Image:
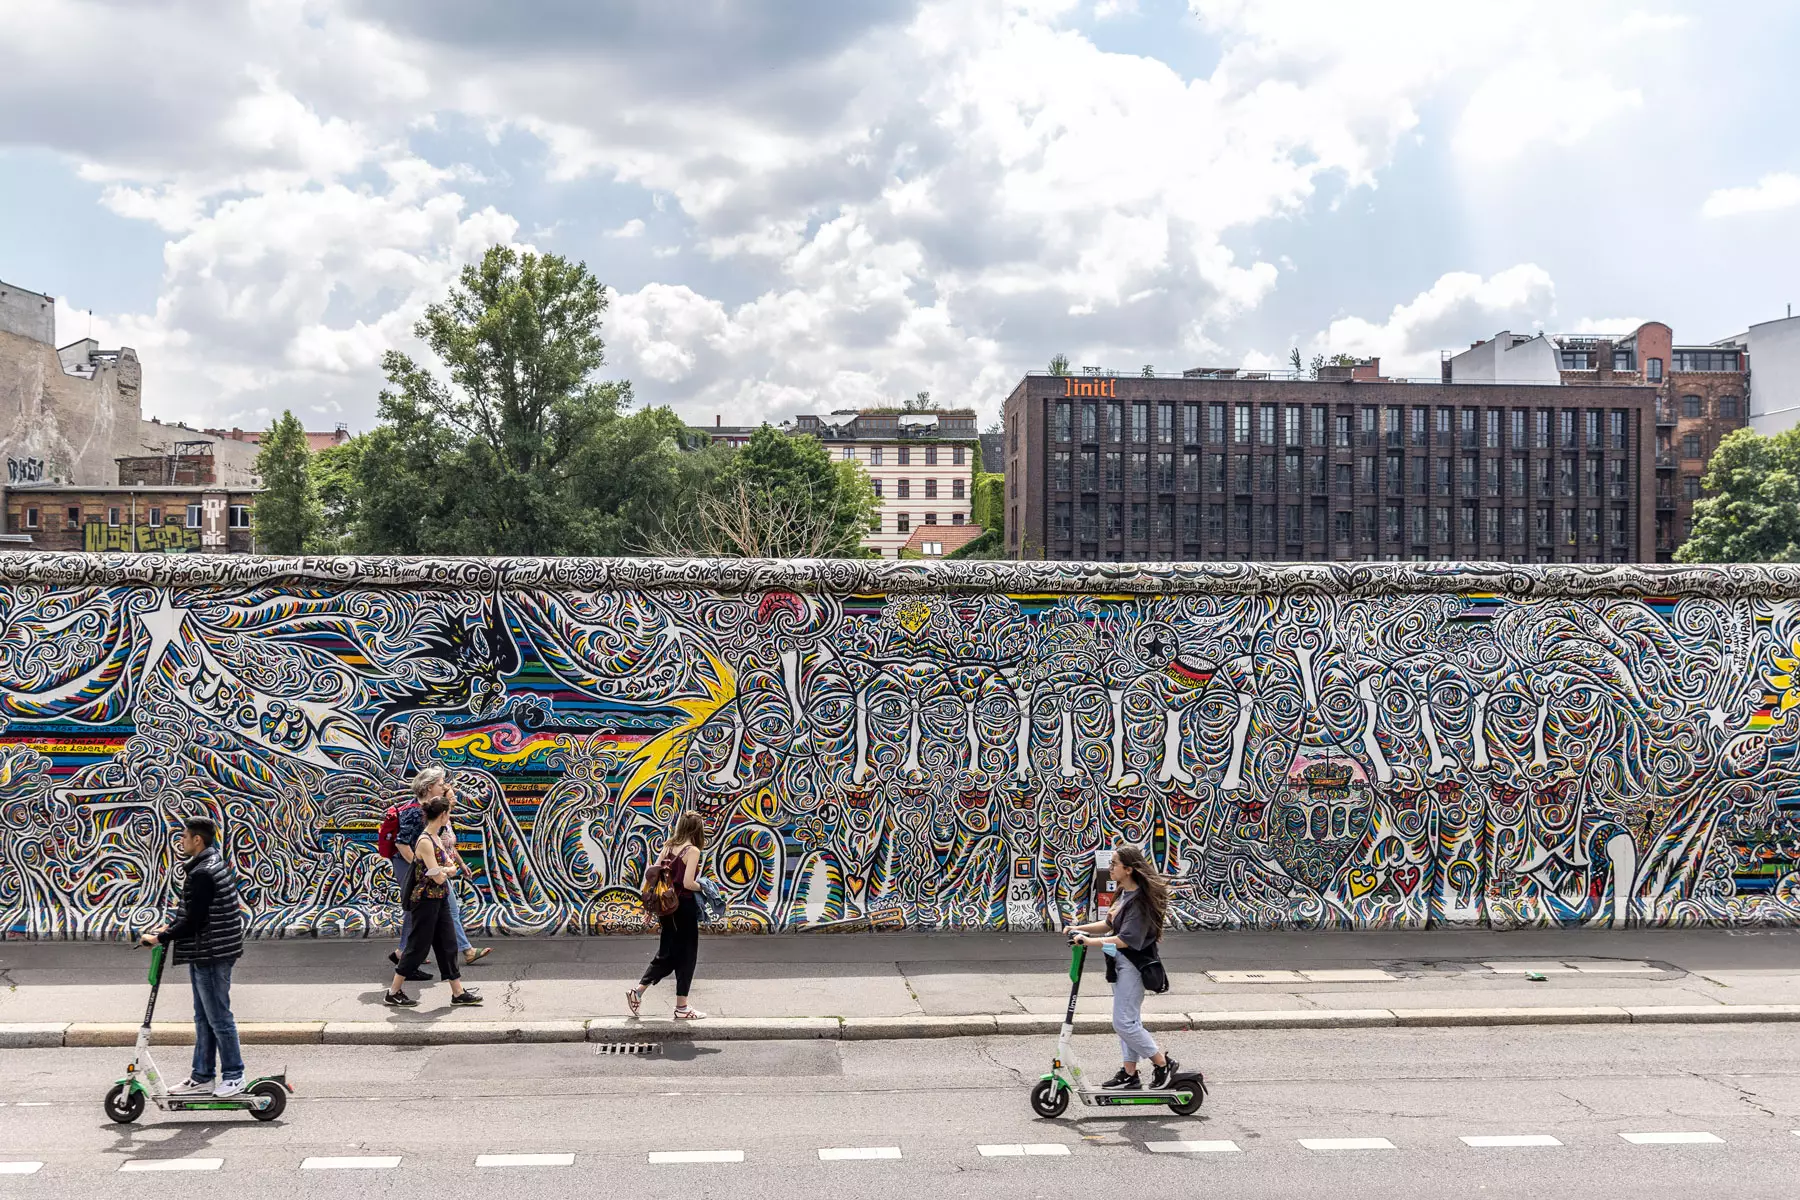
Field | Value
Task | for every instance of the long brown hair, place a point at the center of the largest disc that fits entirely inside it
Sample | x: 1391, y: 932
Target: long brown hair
x: 690, y: 830
x: 1151, y: 886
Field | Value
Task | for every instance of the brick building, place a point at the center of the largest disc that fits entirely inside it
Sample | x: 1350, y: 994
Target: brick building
x: 1229, y: 466
x: 146, y: 519
x: 1702, y: 394
x: 921, y: 463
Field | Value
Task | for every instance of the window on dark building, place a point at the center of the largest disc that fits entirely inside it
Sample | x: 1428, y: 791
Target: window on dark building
x: 1162, y: 520
x: 112, y: 516
x: 1395, y: 483
x: 1493, y: 428
x: 1089, y: 422
x: 1190, y: 522
x: 1690, y: 487
x: 1215, y: 423
x: 1440, y: 524
x: 1318, y: 426
x: 1165, y: 422
x: 1062, y: 421
x: 1418, y: 526
x: 1541, y: 435
x: 1390, y: 424
x: 1343, y: 429
x: 1421, y: 476
x: 193, y: 516
x: 1138, y: 519
x: 1728, y: 407
x: 1340, y: 522
x: 1341, y: 479
x: 1240, y: 520
x: 1490, y: 525
x: 31, y: 517
x: 1622, y: 360
x: 1577, y: 360
x: 1591, y: 429
x: 1265, y: 473
x: 1190, y: 471
x: 1190, y: 425
x: 1706, y: 360
x: 1090, y: 519
x: 1240, y: 473
x: 1215, y: 472
x: 1615, y: 525
x: 1059, y: 473
x: 1540, y: 525
x: 1295, y: 531
x: 1518, y: 429
x: 1165, y: 471
x: 1240, y: 423
x: 1060, y: 519
x: 1115, y: 471
x: 1420, y: 418
x: 1515, y: 526
x: 1690, y: 446
x: 1215, y: 522
x: 1140, y: 422
x: 1115, y: 521
x: 1140, y: 470
x: 1115, y: 423
x: 1690, y: 406
x: 1391, y: 529
x: 1653, y: 371
x: 1565, y: 421
x: 1565, y: 476
x: 156, y: 515
x: 1469, y: 435
x: 74, y: 516
x: 1090, y: 470
x: 1265, y: 424
x: 1616, y: 419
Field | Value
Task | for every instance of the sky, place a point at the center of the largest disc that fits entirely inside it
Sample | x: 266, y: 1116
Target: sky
x: 818, y: 204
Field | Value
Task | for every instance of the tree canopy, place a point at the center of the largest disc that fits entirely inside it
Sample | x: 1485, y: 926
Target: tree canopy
x: 287, y: 512
x: 1751, y: 512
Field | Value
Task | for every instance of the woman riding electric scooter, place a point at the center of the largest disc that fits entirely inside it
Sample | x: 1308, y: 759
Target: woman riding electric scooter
x: 1131, y: 930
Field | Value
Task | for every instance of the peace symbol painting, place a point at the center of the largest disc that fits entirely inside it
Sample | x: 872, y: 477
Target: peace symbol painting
x: 906, y: 745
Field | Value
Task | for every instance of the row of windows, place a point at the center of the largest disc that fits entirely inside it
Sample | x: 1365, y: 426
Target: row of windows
x: 1589, y: 360
x: 903, y: 455
x: 1469, y: 475
x: 903, y: 522
x: 1297, y: 425
x: 1296, y: 524
x: 903, y: 488
x: 1695, y: 406
x: 237, y: 516
x: 1706, y: 360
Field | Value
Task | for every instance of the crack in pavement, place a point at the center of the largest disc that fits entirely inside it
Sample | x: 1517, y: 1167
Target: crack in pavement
x: 1743, y: 1093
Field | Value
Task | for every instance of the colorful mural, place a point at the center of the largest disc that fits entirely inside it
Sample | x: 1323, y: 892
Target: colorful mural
x: 909, y: 745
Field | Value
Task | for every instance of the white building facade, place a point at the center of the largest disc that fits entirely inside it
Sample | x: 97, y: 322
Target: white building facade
x: 921, y: 463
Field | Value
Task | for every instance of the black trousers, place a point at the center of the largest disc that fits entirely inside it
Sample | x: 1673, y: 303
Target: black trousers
x: 679, y: 948
x: 433, y: 929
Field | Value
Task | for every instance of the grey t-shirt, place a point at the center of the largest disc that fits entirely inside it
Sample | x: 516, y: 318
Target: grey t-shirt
x: 1129, y: 920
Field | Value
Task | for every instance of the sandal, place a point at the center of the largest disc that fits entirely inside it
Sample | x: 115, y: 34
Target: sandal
x: 689, y: 1014
x: 633, y: 998
x: 475, y: 954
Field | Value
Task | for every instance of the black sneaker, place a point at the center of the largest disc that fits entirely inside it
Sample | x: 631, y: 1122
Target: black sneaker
x: 1124, y: 1081
x: 399, y: 1000
x: 417, y: 976
x: 468, y: 996
x: 1165, y: 1074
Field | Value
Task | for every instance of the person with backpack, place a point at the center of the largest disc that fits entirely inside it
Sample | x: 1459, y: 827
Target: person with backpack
x: 670, y: 887
x: 1129, y: 936
x: 399, y: 832
x: 428, y: 893
x: 207, y: 932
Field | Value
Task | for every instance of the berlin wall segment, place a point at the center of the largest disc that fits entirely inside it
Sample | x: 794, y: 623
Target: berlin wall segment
x: 908, y: 745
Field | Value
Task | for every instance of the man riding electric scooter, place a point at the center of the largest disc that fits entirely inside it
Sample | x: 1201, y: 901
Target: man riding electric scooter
x: 208, y: 935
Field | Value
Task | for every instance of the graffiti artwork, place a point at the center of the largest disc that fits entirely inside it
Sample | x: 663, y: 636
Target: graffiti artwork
x: 24, y: 470
x: 100, y: 538
x: 909, y: 745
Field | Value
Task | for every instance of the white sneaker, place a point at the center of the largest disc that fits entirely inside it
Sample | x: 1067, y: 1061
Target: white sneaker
x: 189, y: 1087
x: 228, y: 1087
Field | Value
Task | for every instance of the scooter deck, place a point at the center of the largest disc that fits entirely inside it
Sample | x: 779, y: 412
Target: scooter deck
x: 1147, y: 1096
x: 212, y: 1104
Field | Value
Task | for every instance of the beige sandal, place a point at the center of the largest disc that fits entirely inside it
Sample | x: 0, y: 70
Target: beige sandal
x: 689, y: 1014
x: 475, y: 954
x: 633, y: 998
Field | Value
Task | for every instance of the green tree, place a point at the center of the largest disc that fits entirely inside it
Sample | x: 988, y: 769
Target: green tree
x: 480, y: 459
x: 921, y: 402
x: 1059, y: 365
x: 287, y: 511
x: 1752, y: 510
x: 1294, y: 361
x: 638, y: 473
x: 1149, y: 371
x: 334, y: 481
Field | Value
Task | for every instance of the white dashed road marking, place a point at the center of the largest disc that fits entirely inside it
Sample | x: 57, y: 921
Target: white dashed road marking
x: 1346, y: 1143
x: 1191, y: 1147
x: 349, y: 1163
x: 1016, y: 1150
x: 524, y: 1160
x: 1673, y: 1139
x: 171, y: 1164
x: 850, y: 1153
x: 19, y: 1168
x: 1512, y: 1139
x: 662, y: 1157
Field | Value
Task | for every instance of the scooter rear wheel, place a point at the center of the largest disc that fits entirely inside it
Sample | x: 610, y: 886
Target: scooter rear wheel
x: 1194, y: 1101
x: 124, y: 1104
x: 1049, y: 1099
x: 277, y: 1099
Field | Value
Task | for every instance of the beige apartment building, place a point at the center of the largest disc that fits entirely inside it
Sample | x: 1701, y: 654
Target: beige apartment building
x: 921, y: 463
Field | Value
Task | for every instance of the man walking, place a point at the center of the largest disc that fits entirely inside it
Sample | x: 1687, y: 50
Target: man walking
x: 208, y: 935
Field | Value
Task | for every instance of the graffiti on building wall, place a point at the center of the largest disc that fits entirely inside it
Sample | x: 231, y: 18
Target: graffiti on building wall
x: 909, y: 745
x: 24, y: 470
x: 100, y: 538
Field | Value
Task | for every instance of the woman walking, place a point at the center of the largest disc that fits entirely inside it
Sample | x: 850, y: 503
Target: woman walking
x: 679, y: 948
x: 1132, y: 928
x: 434, y: 869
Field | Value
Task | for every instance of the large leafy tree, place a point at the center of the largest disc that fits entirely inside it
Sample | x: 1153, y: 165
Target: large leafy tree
x: 638, y: 474
x: 334, y: 481
x: 1752, y: 509
x: 481, y: 456
x: 287, y: 511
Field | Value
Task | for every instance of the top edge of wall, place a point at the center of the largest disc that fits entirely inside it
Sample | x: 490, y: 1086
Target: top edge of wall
x: 878, y: 576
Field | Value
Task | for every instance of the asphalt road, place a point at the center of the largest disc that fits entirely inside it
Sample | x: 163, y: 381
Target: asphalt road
x: 935, y: 1104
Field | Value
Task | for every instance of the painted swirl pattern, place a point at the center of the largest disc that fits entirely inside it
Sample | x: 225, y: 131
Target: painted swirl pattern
x: 906, y: 745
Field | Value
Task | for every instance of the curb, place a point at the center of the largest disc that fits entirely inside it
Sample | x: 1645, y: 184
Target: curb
x: 434, y: 1032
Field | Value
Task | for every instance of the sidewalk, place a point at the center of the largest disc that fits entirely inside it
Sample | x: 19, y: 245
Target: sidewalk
x: 924, y: 985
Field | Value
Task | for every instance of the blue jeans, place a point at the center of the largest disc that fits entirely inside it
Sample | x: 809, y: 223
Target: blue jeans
x: 1135, y: 1042
x: 215, y: 1029
x: 401, y: 868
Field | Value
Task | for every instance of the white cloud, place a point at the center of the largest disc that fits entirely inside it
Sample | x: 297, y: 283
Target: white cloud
x: 1107, y: 9
x: 1771, y: 193
x: 1525, y: 105
x: 1643, y: 22
x: 630, y: 229
x: 1461, y: 307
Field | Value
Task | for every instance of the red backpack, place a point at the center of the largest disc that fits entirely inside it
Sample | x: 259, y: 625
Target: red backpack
x: 658, y: 895
x: 390, y: 828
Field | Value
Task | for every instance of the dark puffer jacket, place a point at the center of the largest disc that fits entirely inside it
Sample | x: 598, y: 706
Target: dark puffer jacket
x: 209, y: 928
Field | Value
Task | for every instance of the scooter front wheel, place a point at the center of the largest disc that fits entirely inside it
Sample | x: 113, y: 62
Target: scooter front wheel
x: 277, y: 1097
x: 1049, y: 1098
x: 124, y: 1104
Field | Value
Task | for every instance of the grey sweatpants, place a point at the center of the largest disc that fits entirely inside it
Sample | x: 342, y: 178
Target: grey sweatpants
x: 1135, y: 1042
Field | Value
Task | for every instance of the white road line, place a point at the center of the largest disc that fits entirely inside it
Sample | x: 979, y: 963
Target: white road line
x: 1512, y: 1139
x: 1359, y: 975
x: 661, y: 1157
x: 352, y: 1163
x: 852, y: 1153
x: 1673, y: 1139
x: 1191, y: 1147
x: 524, y: 1160
x: 171, y: 1164
x: 1346, y: 1143
x: 19, y: 1168
x: 34, y: 1104
x: 1016, y: 1150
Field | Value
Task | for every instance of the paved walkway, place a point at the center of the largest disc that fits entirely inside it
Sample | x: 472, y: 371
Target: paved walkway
x: 876, y: 985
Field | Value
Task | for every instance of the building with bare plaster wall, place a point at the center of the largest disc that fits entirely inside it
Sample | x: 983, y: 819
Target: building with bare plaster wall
x: 62, y: 414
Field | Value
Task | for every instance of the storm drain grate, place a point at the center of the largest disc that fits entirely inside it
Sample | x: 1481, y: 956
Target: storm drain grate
x: 641, y: 1048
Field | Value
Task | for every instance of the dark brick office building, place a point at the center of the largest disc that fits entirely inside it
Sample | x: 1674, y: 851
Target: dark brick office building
x: 1227, y: 466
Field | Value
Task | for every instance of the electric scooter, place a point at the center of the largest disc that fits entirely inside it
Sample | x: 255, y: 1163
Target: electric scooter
x: 264, y: 1097
x: 1050, y: 1096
